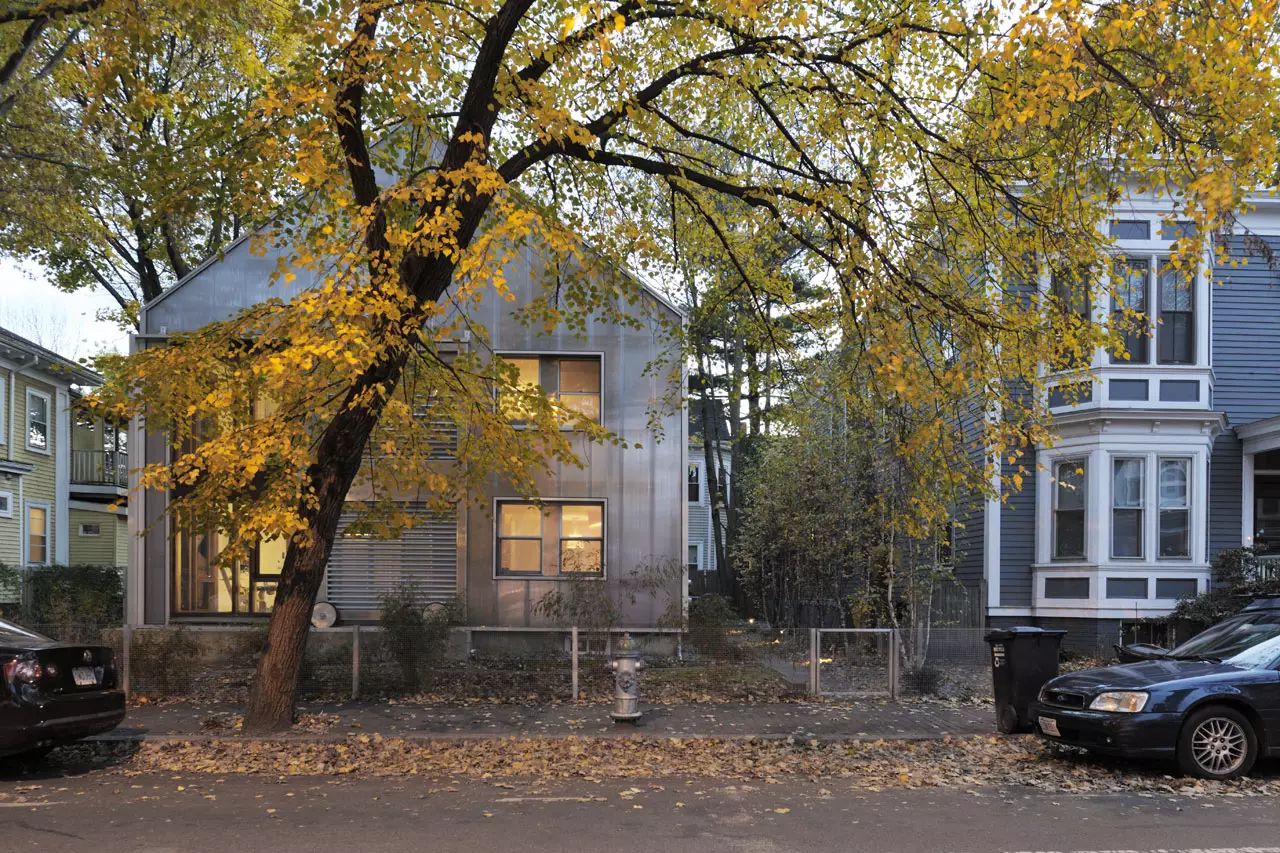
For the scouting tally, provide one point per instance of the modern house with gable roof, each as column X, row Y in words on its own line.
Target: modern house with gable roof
column 499, row 552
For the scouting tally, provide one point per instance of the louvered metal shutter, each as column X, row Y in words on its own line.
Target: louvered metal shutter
column 363, row 570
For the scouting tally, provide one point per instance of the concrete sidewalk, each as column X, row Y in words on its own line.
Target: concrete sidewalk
column 862, row 720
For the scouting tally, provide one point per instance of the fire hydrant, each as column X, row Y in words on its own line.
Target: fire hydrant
column 626, row 666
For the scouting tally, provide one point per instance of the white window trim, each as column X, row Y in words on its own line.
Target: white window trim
column 697, row 547
column 4, row 411
column 97, row 524
column 603, row 503
column 1142, row 509
column 1190, row 507
column 1084, row 463
column 48, row 533
column 47, row 450
column 7, row 510
column 702, row 489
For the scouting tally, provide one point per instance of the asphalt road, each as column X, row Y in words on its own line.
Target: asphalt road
column 111, row 811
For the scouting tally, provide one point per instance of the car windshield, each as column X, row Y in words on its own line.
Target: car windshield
column 1249, row 640
column 10, row 633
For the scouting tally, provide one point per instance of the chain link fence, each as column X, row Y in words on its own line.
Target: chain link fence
column 940, row 663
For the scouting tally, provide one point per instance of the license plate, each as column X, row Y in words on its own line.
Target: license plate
column 1049, row 726
column 85, row 676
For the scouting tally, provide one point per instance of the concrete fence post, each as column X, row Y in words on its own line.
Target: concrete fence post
column 126, row 647
column 355, row 661
column 573, row 648
column 815, row 652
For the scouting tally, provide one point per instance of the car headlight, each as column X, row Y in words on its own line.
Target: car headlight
column 1123, row 702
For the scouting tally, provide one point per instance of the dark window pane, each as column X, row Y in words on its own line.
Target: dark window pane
column 1126, row 587
column 1174, row 588
column 1177, row 230
column 1069, row 534
column 1066, row 587
column 1179, row 391
column 1128, row 389
column 1070, row 492
column 1130, row 229
column 695, row 484
column 1129, row 308
column 1070, row 394
column 1177, row 337
column 1175, row 539
column 1126, row 533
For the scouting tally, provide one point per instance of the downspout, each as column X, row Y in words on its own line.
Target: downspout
column 13, row 390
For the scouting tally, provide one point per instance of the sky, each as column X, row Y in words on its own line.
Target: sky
column 63, row 322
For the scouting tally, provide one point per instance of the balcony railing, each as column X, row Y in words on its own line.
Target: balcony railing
column 100, row 468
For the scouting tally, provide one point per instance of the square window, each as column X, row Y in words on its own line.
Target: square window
column 574, row 383
column 564, row 538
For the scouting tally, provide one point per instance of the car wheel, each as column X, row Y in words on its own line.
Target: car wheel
column 1217, row 742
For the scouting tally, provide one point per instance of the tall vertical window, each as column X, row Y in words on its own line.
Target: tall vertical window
column 38, row 421
column 1072, row 299
column 1176, row 337
column 695, row 484
column 695, row 558
column 1130, row 278
column 1127, row 489
column 1175, row 508
column 38, row 535
column 1069, row 510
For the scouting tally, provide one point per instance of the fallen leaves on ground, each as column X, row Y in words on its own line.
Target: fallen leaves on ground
column 954, row 763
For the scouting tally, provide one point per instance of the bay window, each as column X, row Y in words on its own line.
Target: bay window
column 1175, row 508
column 1069, row 510
column 1127, row 488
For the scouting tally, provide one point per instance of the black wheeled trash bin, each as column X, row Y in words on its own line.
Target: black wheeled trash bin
column 1022, row 660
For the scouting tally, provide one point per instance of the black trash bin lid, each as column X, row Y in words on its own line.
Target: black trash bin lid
column 1001, row 634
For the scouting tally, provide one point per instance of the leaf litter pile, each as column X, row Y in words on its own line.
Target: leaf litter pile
column 952, row 762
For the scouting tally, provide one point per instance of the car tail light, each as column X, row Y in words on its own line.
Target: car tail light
column 22, row 671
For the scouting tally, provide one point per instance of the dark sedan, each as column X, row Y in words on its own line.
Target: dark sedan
column 1213, row 703
column 52, row 693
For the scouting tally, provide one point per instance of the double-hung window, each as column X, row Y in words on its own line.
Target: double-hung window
column 1072, row 294
column 38, row 421
column 38, row 534
column 1127, row 525
column 695, row 483
column 1175, row 508
column 1069, row 510
column 1130, row 282
column 1176, row 336
column 560, row 539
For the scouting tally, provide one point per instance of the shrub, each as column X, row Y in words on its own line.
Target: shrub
column 711, row 618
column 1238, row 576
column 579, row 603
column 416, row 631
column 62, row 599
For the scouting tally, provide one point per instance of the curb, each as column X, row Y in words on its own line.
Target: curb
column 473, row 737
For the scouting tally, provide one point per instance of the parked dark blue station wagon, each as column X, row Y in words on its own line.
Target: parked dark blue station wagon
column 1212, row 704
column 52, row 692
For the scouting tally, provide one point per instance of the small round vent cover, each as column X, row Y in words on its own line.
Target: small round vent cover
column 324, row 615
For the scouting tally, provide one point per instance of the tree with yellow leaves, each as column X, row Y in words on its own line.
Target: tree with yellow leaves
column 926, row 157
